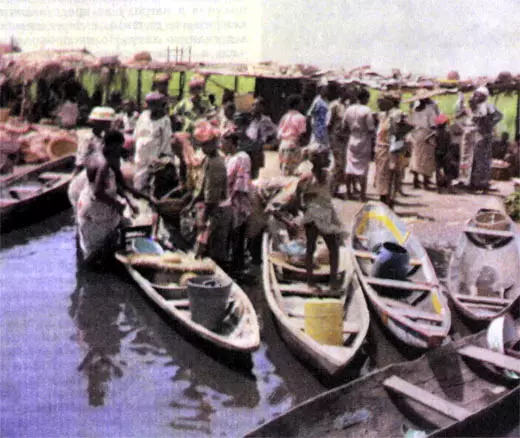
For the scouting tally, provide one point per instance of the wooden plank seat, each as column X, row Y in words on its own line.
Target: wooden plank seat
column 492, row 357
column 411, row 312
column 53, row 175
column 492, row 233
column 373, row 256
column 348, row 327
column 426, row 398
column 398, row 284
column 25, row 189
column 303, row 289
column 483, row 300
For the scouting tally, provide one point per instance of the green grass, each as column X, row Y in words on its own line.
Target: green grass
column 506, row 104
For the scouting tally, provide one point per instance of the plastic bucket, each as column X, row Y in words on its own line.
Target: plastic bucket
column 323, row 320
column 501, row 331
column 208, row 297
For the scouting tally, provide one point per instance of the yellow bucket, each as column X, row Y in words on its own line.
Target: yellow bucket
column 323, row 320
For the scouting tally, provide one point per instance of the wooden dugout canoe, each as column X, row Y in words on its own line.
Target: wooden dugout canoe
column 414, row 311
column 286, row 301
column 239, row 331
column 35, row 193
column 484, row 270
column 444, row 388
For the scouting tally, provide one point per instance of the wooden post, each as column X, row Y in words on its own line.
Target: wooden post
column 182, row 82
column 236, row 84
column 189, row 56
column 517, row 122
column 139, row 88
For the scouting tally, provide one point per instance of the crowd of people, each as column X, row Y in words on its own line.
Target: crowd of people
column 208, row 158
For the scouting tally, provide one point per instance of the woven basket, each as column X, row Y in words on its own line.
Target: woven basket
column 492, row 220
column 4, row 114
column 61, row 146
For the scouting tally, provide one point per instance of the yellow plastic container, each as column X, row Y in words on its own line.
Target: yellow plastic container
column 323, row 320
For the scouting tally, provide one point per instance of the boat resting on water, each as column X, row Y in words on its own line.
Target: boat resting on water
column 237, row 333
column 35, row 192
column 484, row 270
column 414, row 311
column 446, row 386
column 286, row 296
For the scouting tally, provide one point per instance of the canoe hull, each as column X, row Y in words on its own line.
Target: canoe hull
column 49, row 200
column 328, row 361
column 496, row 262
column 366, row 408
column 376, row 223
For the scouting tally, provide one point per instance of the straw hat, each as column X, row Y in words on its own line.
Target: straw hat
column 102, row 113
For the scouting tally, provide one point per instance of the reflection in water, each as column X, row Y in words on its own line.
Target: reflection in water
column 96, row 308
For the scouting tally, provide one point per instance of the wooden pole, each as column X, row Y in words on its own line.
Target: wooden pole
column 189, row 56
column 182, row 82
column 517, row 122
column 236, row 84
column 139, row 88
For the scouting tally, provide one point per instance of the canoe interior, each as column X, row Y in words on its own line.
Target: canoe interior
column 34, row 183
column 366, row 408
column 423, row 303
column 484, row 278
column 287, row 297
column 237, row 331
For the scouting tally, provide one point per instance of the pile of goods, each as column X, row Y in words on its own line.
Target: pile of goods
column 35, row 143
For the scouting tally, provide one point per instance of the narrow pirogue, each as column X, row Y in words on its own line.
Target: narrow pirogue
column 157, row 273
column 452, row 385
column 414, row 309
column 286, row 298
column 484, row 270
column 39, row 191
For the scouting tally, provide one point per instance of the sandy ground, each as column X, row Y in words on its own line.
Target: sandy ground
column 437, row 219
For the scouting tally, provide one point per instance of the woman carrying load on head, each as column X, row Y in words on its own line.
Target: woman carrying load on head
column 89, row 144
column 320, row 217
column 291, row 129
column 99, row 212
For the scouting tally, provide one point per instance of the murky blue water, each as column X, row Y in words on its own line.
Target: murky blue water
column 86, row 354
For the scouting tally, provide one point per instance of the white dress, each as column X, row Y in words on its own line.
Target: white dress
column 152, row 139
column 97, row 220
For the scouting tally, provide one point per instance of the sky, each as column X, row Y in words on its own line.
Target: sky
column 418, row 36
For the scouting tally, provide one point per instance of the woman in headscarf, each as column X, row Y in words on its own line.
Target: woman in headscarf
column 238, row 166
column 422, row 117
column 194, row 107
column 476, row 142
column 210, row 192
column 390, row 129
column 153, row 134
column 291, row 129
column 360, row 122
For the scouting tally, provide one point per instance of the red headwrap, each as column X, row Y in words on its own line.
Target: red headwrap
column 441, row 119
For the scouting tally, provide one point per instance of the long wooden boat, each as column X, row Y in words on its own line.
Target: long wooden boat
column 415, row 310
column 238, row 332
column 484, row 270
column 286, row 300
column 445, row 386
column 35, row 193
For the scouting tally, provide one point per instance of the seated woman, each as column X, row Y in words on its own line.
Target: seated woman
column 320, row 217
column 99, row 212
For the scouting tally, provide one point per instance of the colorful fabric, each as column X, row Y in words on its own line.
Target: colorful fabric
column 318, row 113
column 152, row 140
column 204, row 131
column 191, row 112
column 292, row 126
column 422, row 159
column 360, row 122
column 261, row 129
column 97, row 221
column 290, row 156
column 238, row 169
column 319, row 209
column 386, row 162
column 335, row 116
column 88, row 145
